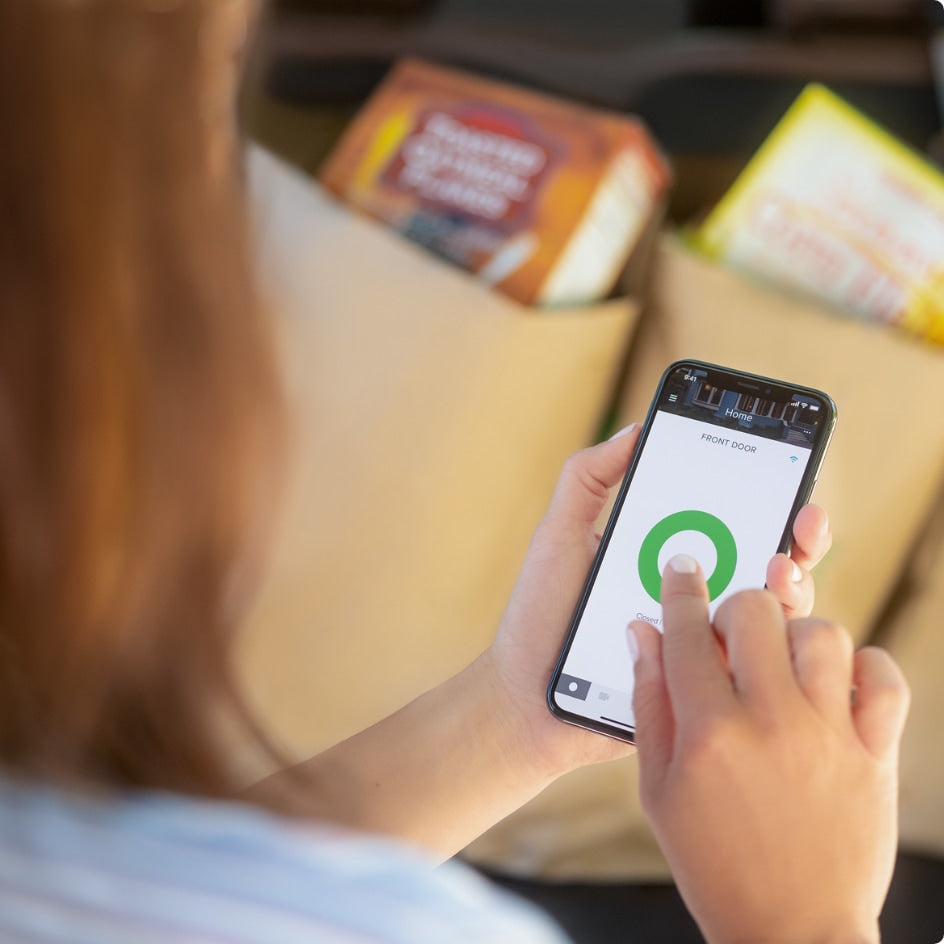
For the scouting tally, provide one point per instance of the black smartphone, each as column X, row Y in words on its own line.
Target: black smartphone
column 725, row 460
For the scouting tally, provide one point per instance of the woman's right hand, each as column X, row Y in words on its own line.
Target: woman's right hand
column 771, row 788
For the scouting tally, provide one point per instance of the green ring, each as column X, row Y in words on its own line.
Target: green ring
column 713, row 528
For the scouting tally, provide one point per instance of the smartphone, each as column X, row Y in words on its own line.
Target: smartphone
column 725, row 460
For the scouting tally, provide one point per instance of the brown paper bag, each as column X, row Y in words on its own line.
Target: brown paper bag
column 886, row 461
column 879, row 481
column 430, row 417
column 912, row 632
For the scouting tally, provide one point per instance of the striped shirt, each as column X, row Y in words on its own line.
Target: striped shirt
column 154, row 868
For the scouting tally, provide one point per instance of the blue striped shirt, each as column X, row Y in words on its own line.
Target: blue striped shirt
column 154, row 868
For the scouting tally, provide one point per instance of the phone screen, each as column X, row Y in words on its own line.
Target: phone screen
column 724, row 462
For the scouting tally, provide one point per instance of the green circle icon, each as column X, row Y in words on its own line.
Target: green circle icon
column 713, row 528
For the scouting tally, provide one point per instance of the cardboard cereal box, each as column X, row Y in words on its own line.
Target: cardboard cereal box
column 836, row 208
column 539, row 197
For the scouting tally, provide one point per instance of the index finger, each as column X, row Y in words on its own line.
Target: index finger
column 696, row 673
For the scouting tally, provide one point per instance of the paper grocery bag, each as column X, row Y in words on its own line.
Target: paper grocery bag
column 911, row 631
column 879, row 482
column 886, row 461
column 429, row 419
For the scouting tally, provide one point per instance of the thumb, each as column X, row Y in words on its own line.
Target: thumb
column 655, row 726
column 587, row 477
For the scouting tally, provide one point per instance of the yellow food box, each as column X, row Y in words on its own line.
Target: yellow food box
column 835, row 207
column 541, row 198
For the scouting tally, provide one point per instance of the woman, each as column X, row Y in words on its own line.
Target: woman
column 139, row 442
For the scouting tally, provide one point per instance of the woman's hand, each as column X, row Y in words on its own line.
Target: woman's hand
column 462, row 756
column 789, row 579
column 555, row 568
column 772, row 792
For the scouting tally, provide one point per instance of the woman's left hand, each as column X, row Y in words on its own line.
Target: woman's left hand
column 552, row 576
column 457, row 759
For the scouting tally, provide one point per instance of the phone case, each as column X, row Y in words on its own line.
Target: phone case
column 743, row 383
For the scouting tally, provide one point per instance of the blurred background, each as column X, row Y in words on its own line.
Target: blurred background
column 711, row 79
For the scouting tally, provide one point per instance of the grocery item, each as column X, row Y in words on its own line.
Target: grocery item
column 539, row 197
column 837, row 208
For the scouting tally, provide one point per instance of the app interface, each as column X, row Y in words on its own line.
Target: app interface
column 716, row 479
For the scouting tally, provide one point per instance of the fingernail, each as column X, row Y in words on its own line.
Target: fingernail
column 623, row 432
column 632, row 640
column 797, row 574
column 683, row 564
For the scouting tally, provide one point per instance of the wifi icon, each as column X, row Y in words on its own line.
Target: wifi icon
column 794, row 458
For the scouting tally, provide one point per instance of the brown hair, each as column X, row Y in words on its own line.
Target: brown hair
column 137, row 394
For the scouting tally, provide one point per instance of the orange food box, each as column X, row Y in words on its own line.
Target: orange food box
column 539, row 197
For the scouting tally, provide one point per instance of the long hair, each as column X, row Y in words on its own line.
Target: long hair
column 138, row 400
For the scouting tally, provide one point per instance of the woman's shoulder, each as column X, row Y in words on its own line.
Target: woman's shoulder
column 158, row 867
